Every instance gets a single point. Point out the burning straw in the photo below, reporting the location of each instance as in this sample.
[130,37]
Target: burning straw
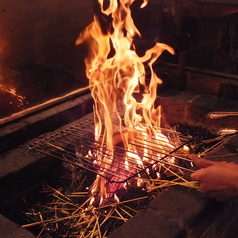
[72,214]
[70,218]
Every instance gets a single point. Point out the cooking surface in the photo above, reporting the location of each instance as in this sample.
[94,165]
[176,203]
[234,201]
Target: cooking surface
[76,145]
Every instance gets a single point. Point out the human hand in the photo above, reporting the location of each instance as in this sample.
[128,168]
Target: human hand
[218,180]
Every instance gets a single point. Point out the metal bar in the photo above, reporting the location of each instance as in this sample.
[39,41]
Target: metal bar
[88,160]
[161,152]
[216,114]
[151,165]
[86,165]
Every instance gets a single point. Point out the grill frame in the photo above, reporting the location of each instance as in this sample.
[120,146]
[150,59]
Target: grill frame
[77,150]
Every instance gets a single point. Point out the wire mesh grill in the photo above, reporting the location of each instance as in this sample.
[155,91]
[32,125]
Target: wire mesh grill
[77,145]
[228,91]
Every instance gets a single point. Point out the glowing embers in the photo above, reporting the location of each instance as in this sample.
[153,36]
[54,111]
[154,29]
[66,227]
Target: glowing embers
[11,101]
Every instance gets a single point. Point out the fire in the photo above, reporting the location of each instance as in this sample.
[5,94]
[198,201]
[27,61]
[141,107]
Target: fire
[11,91]
[115,74]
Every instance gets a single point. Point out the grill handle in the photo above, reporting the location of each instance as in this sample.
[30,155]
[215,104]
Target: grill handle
[216,115]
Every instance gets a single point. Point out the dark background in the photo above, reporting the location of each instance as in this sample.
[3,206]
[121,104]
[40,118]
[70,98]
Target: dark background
[39,58]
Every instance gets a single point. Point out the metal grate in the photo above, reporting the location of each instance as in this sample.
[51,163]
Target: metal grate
[77,145]
[228,91]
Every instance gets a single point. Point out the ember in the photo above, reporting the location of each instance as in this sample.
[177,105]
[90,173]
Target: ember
[10,97]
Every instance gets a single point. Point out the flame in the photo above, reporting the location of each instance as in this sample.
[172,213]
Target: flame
[12,91]
[115,74]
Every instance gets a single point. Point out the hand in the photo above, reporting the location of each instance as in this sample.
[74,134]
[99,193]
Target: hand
[219,180]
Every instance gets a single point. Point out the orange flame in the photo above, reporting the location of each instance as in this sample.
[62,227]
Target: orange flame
[12,91]
[113,80]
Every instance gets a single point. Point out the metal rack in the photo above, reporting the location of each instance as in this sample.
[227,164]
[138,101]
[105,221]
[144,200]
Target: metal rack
[77,145]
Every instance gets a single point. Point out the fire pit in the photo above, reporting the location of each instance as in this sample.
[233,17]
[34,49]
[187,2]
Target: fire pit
[166,204]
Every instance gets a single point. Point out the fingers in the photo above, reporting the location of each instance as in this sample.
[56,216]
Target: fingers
[195,176]
[216,179]
[201,162]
